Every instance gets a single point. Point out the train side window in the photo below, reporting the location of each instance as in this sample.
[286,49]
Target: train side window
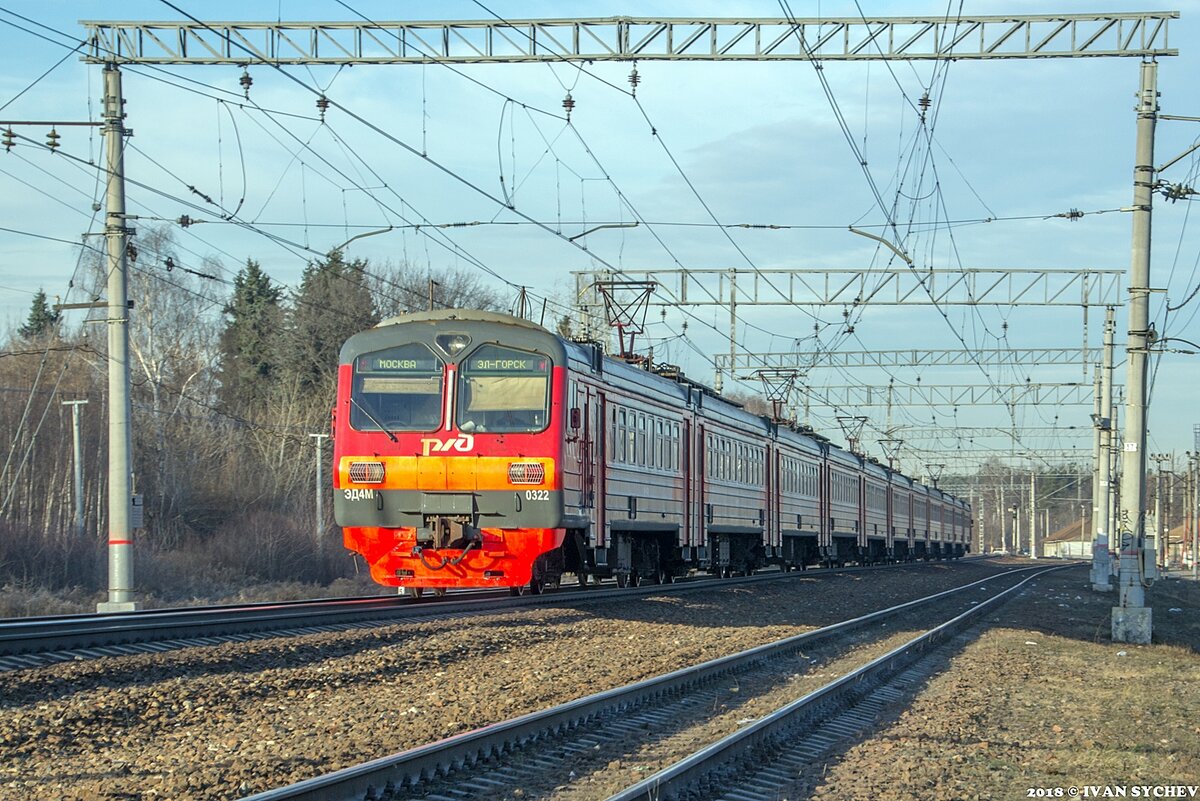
[659,444]
[621,439]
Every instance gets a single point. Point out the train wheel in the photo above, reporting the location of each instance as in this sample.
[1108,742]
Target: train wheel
[536,585]
[622,580]
[516,591]
[438,592]
[417,592]
[582,579]
[662,576]
[634,579]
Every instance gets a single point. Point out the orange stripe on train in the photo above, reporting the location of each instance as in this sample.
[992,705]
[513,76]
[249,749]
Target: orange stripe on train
[458,473]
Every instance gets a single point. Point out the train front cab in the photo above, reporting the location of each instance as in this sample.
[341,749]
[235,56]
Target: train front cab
[448,436]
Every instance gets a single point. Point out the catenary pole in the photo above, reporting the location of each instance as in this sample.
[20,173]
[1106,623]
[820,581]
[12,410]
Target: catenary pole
[77,464]
[1101,553]
[120,465]
[318,488]
[1033,540]
[1098,470]
[1131,618]
[1194,512]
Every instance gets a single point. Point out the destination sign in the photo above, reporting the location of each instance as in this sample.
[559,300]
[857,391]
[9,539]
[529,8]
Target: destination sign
[493,359]
[406,359]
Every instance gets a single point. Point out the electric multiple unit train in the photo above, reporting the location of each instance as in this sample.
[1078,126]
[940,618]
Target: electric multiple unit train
[474,449]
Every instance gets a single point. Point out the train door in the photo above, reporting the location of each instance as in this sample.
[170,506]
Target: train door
[685,468]
[890,519]
[862,512]
[699,471]
[587,446]
[774,537]
[599,422]
[825,535]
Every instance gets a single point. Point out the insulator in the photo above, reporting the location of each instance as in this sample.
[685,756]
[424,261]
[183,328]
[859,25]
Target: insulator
[52,139]
[634,80]
[322,105]
[246,81]
[169,263]
[131,252]
[185,221]
[568,104]
[9,139]
[924,102]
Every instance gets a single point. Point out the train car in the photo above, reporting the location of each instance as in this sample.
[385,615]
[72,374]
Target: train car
[474,449]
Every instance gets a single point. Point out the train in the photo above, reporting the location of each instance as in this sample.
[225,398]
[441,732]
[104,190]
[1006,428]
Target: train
[477,449]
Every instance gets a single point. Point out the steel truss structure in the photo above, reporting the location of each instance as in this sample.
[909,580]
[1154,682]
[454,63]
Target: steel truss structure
[942,433]
[632,39]
[811,360]
[884,286]
[852,396]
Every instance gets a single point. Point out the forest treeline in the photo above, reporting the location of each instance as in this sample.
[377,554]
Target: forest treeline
[229,378]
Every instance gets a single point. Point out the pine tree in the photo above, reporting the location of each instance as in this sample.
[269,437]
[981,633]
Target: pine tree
[334,301]
[249,342]
[42,319]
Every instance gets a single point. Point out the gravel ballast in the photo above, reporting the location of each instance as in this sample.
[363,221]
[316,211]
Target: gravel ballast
[229,720]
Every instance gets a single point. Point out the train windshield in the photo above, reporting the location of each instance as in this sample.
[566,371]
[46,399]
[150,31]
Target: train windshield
[398,389]
[503,390]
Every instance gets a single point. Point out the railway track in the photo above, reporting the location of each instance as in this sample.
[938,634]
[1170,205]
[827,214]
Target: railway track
[539,755]
[37,642]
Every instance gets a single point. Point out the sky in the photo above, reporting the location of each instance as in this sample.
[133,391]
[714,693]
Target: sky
[1006,148]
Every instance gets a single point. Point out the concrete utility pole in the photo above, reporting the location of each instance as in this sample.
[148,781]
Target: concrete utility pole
[319,487]
[1193,510]
[1131,618]
[77,462]
[1162,528]
[1097,461]
[1105,421]
[1033,540]
[120,464]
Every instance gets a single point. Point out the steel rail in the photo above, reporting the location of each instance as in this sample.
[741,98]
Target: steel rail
[765,735]
[34,642]
[445,756]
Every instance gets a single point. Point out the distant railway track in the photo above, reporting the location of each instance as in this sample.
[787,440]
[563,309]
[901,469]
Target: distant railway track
[41,641]
[536,751]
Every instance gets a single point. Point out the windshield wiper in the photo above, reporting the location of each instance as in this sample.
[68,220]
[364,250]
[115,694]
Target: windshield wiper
[373,419]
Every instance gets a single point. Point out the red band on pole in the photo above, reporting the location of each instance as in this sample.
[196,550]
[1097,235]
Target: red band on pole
[120,542]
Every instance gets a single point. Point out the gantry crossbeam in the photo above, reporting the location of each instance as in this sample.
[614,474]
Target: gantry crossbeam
[851,396]
[889,286]
[632,38]
[810,360]
[909,434]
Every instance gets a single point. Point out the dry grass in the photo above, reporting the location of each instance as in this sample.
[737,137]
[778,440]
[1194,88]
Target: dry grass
[1045,700]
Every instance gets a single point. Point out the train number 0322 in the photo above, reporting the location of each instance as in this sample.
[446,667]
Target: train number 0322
[537,495]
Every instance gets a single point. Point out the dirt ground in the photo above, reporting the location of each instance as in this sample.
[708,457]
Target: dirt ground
[1044,705]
